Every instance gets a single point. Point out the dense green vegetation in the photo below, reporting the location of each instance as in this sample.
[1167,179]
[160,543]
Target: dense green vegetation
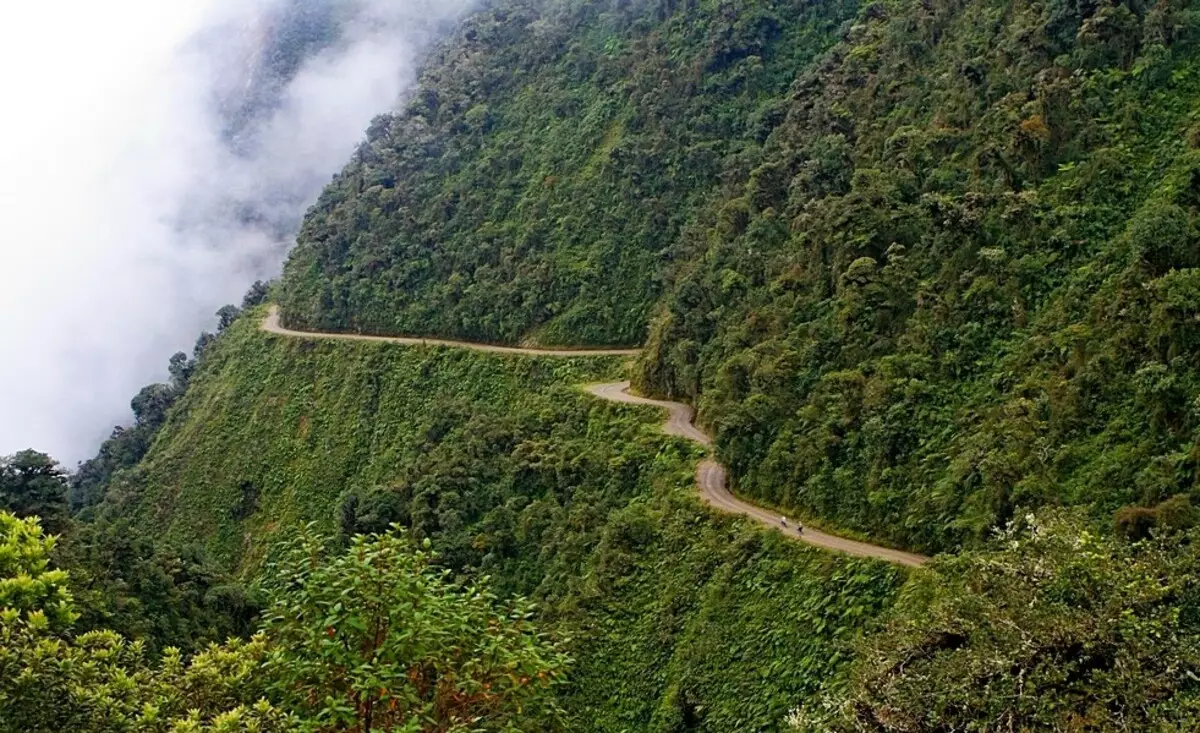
[925,268]
[693,623]
[158,593]
[371,638]
[1056,628]
[278,431]
[510,470]
[917,270]
[533,185]
[961,279]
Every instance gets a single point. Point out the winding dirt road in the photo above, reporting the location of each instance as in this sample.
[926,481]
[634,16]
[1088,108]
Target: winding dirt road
[272,325]
[710,475]
[710,479]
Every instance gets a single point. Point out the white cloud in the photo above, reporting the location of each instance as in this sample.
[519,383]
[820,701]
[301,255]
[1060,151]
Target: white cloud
[118,242]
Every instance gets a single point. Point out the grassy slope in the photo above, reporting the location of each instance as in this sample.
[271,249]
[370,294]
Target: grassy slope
[286,426]
[681,620]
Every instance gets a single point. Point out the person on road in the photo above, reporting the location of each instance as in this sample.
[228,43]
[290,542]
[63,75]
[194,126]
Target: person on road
[783,521]
[799,528]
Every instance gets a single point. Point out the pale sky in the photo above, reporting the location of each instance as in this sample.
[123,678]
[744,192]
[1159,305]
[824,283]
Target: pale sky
[107,134]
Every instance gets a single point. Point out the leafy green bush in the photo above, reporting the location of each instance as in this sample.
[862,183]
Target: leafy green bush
[375,637]
[98,681]
[1172,515]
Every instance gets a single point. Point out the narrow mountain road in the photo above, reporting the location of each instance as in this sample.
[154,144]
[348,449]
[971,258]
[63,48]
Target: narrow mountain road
[272,325]
[710,475]
[710,479]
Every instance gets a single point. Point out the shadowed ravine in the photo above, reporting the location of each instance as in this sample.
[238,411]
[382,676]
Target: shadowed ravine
[710,475]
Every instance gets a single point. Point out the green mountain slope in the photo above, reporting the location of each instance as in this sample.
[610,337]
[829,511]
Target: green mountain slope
[534,184]
[917,270]
[924,267]
[675,614]
[962,279]
[275,430]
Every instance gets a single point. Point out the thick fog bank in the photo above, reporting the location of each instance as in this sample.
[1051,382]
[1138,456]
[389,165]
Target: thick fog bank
[155,159]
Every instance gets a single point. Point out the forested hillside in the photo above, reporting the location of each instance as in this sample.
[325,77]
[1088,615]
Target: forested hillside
[534,184]
[929,270]
[917,269]
[962,278]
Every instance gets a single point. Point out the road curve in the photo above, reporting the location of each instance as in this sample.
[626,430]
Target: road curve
[710,475]
[271,324]
[710,480]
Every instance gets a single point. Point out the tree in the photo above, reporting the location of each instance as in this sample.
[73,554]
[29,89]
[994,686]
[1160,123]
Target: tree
[180,368]
[151,591]
[203,341]
[378,639]
[226,316]
[373,510]
[256,295]
[1056,628]
[32,484]
[151,404]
